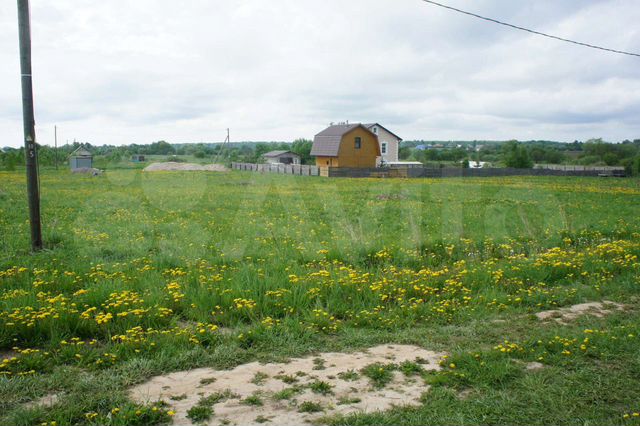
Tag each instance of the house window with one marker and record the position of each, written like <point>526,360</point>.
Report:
<point>375,130</point>
<point>384,148</point>
<point>358,143</point>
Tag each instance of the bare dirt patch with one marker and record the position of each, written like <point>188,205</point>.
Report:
<point>534,366</point>
<point>185,167</point>
<point>46,401</point>
<point>564,315</point>
<point>300,391</point>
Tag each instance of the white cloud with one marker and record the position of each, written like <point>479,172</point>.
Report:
<point>120,72</point>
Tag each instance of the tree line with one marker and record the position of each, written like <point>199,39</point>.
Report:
<point>507,154</point>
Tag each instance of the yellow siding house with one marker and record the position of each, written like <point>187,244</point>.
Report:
<point>346,145</point>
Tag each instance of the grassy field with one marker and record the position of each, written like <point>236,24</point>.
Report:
<point>149,273</point>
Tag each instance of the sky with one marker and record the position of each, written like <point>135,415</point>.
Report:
<point>119,72</point>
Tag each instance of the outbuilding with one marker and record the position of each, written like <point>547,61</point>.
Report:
<point>281,157</point>
<point>81,158</point>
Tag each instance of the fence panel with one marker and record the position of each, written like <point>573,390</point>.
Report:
<point>426,172</point>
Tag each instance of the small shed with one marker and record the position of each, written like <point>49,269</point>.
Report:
<point>138,159</point>
<point>282,157</point>
<point>81,159</point>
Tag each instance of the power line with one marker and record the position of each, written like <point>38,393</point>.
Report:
<point>530,31</point>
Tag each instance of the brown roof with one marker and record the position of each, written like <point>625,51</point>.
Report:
<point>327,142</point>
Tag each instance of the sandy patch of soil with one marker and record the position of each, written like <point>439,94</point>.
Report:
<point>564,315</point>
<point>46,401</point>
<point>185,167</point>
<point>533,366</point>
<point>348,393</point>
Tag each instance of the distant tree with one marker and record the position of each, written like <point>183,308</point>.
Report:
<point>537,154</point>
<point>554,156</point>
<point>259,151</point>
<point>404,153</point>
<point>465,163</point>
<point>114,157</point>
<point>596,147</point>
<point>199,154</point>
<point>302,147</point>
<point>517,156</point>
<point>610,159</point>
<point>589,160</point>
<point>161,148</point>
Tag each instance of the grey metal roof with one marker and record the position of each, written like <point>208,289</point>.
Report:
<point>370,125</point>
<point>278,153</point>
<point>327,142</point>
<point>81,151</point>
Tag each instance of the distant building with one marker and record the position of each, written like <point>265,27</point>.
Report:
<point>403,164</point>
<point>422,147</point>
<point>389,142</point>
<point>478,164</point>
<point>346,145</point>
<point>138,158</point>
<point>81,159</point>
<point>281,157</point>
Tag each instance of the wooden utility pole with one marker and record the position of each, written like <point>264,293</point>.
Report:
<point>55,144</point>
<point>31,151</point>
<point>226,141</point>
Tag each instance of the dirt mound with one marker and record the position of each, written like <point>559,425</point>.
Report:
<point>293,393</point>
<point>185,167</point>
<point>597,309</point>
<point>87,171</point>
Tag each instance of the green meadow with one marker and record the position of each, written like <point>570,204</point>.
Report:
<point>149,273</point>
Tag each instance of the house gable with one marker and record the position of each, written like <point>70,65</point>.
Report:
<point>389,141</point>
<point>364,154</point>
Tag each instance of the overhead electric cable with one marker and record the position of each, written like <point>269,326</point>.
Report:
<point>529,30</point>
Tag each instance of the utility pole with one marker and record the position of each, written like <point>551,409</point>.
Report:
<point>226,141</point>
<point>29,124</point>
<point>55,143</point>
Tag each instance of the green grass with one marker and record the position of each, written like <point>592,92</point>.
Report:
<point>253,400</point>
<point>321,387</point>
<point>287,393</point>
<point>203,410</point>
<point>349,375</point>
<point>379,374</point>
<point>259,378</point>
<point>310,407</point>
<point>142,271</point>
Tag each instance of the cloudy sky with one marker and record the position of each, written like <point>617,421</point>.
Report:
<point>122,72</point>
